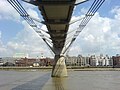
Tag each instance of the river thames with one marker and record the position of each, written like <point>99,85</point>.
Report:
<point>76,80</point>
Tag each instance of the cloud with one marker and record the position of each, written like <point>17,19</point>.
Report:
<point>32,13</point>
<point>0,34</point>
<point>101,35</point>
<point>28,41</point>
<point>2,47</point>
<point>116,11</point>
<point>7,11</point>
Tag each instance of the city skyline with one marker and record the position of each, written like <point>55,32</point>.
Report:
<point>101,35</point>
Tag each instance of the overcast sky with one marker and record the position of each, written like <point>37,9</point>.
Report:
<point>101,35</point>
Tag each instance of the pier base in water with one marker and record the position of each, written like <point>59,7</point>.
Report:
<point>59,69</point>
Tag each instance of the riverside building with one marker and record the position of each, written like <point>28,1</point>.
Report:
<point>92,60</point>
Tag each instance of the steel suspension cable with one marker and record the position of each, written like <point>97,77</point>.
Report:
<point>18,7</point>
<point>91,12</point>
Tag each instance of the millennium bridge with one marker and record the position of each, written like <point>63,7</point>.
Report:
<point>57,16</point>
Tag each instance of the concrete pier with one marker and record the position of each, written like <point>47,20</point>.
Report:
<point>59,69</point>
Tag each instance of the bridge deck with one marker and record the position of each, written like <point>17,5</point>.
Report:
<point>57,15</point>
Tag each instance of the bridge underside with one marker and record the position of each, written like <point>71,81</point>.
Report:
<point>57,15</point>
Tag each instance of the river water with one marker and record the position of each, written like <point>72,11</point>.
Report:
<point>77,80</point>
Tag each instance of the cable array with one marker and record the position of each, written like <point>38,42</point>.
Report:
<point>91,12</point>
<point>19,8</point>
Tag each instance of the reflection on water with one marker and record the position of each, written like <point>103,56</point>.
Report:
<point>77,80</point>
<point>59,83</point>
<point>35,84</point>
<point>86,80</point>
<point>56,84</point>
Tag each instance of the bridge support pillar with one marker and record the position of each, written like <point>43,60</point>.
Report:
<point>59,68</point>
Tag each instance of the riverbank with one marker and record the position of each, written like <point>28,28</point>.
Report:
<point>69,68</point>
<point>25,68</point>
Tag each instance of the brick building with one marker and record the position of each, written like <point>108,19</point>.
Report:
<point>116,61</point>
<point>30,61</point>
